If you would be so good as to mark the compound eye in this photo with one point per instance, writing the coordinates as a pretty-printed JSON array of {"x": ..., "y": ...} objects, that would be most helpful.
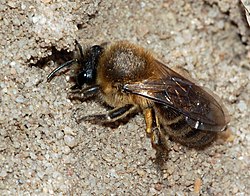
[
  {"x": 85, "y": 77},
  {"x": 88, "y": 74}
]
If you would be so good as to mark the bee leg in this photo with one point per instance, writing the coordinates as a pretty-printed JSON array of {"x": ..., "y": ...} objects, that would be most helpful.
[
  {"x": 83, "y": 94},
  {"x": 111, "y": 116},
  {"x": 153, "y": 130},
  {"x": 149, "y": 122},
  {"x": 160, "y": 145}
]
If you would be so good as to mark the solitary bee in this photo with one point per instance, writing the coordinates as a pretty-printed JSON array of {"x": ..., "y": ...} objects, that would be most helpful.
[{"x": 129, "y": 79}]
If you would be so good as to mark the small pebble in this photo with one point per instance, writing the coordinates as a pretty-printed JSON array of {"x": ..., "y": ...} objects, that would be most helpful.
[
  {"x": 20, "y": 99},
  {"x": 3, "y": 173},
  {"x": 158, "y": 186},
  {"x": 66, "y": 150},
  {"x": 69, "y": 131},
  {"x": 197, "y": 185},
  {"x": 242, "y": 106},
  {"x": 70, "y": 141}
]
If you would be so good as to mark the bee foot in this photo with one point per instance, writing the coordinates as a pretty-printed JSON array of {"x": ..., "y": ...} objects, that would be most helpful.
[{"x": 95, "y": 119}]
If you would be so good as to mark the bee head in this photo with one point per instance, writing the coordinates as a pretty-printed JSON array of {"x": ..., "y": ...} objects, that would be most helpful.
[{"x": 87, "y": 66}]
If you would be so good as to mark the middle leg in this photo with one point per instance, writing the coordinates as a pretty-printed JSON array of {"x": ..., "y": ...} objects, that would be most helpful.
[{"x": 111, "y": 116}]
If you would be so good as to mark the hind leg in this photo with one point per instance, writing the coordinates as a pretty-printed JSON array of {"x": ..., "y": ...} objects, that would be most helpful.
[{"x": 153, "y": 130}]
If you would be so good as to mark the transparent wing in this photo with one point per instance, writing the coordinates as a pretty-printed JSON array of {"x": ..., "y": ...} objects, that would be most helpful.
[{"x": 201, "y": 110}]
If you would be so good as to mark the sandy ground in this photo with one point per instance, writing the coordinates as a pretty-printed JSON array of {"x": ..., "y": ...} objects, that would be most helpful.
[{"x": 43, "y": 151}]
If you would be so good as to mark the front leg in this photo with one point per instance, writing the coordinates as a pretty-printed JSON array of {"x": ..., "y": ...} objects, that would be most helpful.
[
  {"x": 83, "y": 94},
  {"x": 111, "y": 116}
]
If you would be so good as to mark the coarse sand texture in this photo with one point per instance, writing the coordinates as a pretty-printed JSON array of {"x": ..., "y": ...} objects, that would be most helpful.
[{"x": 44, "y": 151}]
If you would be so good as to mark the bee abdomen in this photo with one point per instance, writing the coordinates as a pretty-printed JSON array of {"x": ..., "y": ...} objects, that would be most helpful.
[
  {"x": 196, "y": 138},
  {"x": 178, "y": 129}
]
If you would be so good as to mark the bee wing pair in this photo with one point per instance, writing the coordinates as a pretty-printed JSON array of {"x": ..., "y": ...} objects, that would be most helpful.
[{"x": 201, "y": 110}]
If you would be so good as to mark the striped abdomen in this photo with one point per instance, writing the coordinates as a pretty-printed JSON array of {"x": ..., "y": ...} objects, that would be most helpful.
[{"x": 175, "y": 125}]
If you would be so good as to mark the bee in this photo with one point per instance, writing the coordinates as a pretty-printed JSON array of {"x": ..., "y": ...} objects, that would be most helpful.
[{"x": 130, "y": 80}]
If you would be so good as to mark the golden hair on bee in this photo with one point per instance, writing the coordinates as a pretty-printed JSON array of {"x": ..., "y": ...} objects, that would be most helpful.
[{"x": 129, "y": 78}]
